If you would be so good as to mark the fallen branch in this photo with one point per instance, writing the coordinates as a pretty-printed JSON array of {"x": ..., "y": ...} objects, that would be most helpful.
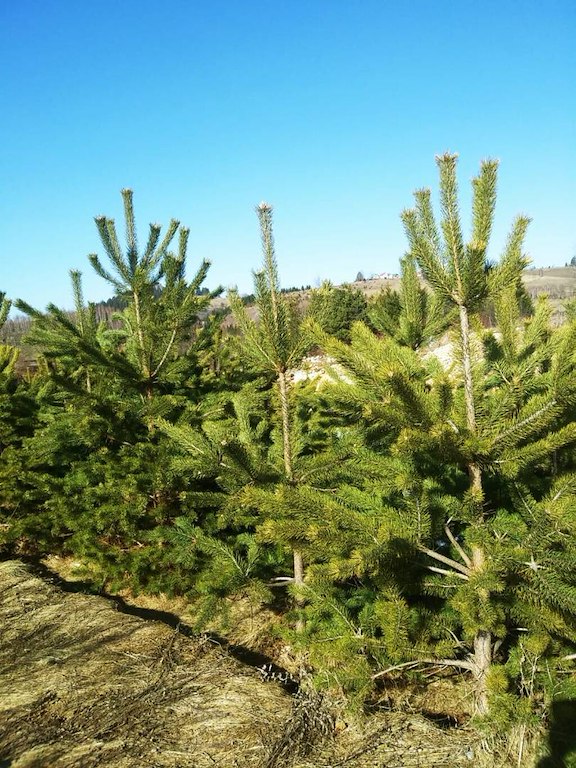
[{"x": 460, "y": 663}]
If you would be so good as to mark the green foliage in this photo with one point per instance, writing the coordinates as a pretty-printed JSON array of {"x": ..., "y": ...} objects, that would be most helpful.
[
  {"x": 275, "y": 342},
  {"x": 5, "y": 305},
  {"x": 398, "y": 510},
  {"x": 478, "y": 449},
  {"x": 224, "y": 569},
  {"x": 413, "y": 316},
  {"x": 98, "y": 480},
  {"x": 335, "y": 309},
  {"x": 18, "y": 412},
  {"x": 154, "y": 325},
  {"x": 457, "y": 271}
]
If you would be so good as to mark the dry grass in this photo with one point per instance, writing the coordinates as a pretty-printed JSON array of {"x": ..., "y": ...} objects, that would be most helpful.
[{"x": 83, "y": 685}]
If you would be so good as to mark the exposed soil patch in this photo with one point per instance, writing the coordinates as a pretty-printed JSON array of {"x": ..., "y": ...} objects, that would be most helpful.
[{"x": 85, "y": 686}]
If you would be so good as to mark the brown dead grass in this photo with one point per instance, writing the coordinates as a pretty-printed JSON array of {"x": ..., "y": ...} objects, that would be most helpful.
[{"x": 85, "y": 686}]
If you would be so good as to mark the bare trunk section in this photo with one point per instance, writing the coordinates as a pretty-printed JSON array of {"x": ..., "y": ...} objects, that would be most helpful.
[
  {"x": 482, "y": 657},
  {"x": 299, "y": 580},
  {"x": 297, "y": 555},
  {"x": 482, "y": 662}
]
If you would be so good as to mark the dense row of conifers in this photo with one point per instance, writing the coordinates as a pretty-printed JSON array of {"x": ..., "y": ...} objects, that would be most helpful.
[{"x": 394, "y": 510}]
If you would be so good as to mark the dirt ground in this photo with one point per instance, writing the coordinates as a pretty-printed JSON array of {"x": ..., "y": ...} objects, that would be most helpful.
[{"x": 85, "y": 685}]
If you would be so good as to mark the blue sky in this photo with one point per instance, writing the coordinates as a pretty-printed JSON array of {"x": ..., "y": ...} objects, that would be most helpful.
[{"x": 332, "y": 110}]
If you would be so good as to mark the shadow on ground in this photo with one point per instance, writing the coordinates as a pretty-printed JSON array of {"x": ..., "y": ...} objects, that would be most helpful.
[
  {"x": 562, "y": 736},
  {"x": 241, "y": 653}
]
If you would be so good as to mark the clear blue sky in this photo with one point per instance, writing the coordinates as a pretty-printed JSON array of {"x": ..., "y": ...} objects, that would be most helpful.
[{"x": 332, "y": 110}]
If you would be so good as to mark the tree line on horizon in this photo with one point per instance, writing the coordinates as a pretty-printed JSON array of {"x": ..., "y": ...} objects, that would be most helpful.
[{"x": 397, "y": 513}]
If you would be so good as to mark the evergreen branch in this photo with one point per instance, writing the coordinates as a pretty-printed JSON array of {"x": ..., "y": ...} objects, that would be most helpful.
[
  {"x": 101, "y": 225},
  {"x": 424, "y": 253},
  {"x": 153, "y": 237},
  {"x": 189, "y": 439},
  {"x": 76, "y": 277},
  {"x": 5, "y": 305},
  {"x": 130, "y": 229},
  {"x": 446, "y": 560},
  {"x": 387, "y": 671},
  {"x": 456, "y": 545},
  {"x": 104, "y": 274},
  {"x": 280, "y": 581},
  {"x": 460, "y": 663},
  {"x": 152, "y": 260},
  {"x": 166, "y": 353},
  {"x": 342, "y": 613},
  {"x": 200, "y": 275},
  {"x": 513, "y": 262},
  {"x": 426, "y": 218},
  {"x": 451, "y": 221},
  {"x": 250, "y": 331},
  {"x": 538, "y": 450},
  {"x": 518, "y": 430},
  {"x": 563, "y": 486},
  {"x": 484, "y": 202},
  {"x": 183, "y": 245},
  {"x": 116, "y": 253},
  {"x": 445, "y": 572}
]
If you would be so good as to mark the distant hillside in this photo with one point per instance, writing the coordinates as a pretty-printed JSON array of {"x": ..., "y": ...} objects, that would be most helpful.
[{"x": 559, "y": 283}]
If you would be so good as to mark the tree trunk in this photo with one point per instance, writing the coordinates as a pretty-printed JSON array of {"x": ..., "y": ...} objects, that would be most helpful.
[
  {"x": 144, "y": 364},
  {"x": 467, "y": 366},
  {"x": 283, "y": 389},
  {"x": 482, "y": 657},
  {"x": 297, "y": 555},
  {"x": 474, "y": 469},
  {"x": 482, "y": 662},
  {"x": 299, "y": 581}
]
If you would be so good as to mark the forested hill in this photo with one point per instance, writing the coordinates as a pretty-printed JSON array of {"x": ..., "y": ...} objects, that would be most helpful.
[{"x": 558, "y": 283}]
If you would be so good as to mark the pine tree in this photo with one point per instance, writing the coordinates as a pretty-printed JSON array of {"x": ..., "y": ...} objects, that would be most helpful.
[
  {"x": 476, "y": 450},
  {"x": 266, "y": 456},
  {"x": 336, "y": 308},
  {"x": 458, "y": 274},
  {"x": 513, "y": 413},
  {"x": 5, "y": 305},
  {"x": 413, "y": 316},
  {"x": 161, "y": 314},
  {"x": 163, "y": 307},
  {"x": 275, "y": 344},
  {"x": 100, "y": 474}
]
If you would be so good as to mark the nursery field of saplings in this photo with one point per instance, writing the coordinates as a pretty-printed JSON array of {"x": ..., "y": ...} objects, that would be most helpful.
[{"x": 364, "y": 548}]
